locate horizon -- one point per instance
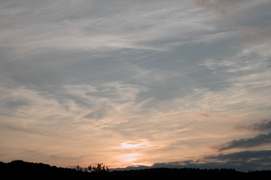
(136, 83)
(133, 167)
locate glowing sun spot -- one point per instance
(128, 157)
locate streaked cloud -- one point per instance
(142, 143)
(212, 7)
(134, 83)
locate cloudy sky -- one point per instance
(136, 83)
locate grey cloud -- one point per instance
(56, 68)
(95, 26)
(241, 156)
(259, 140)
(99, 114)
(28, 130)
(117, 90)
(78, 100)
(241, 161)
(224, 8)
(16, 103)
(265, 126)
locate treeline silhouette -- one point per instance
(19, 169)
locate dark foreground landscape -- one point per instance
(19, 169)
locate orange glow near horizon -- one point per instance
(128, 157)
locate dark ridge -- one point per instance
(19, 169)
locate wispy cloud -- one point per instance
(212, 7)
(141, 143)
(220, 7)
(235, 14)
(81, 27)
(166, 80)
(148, 76)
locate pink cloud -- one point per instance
(204, 115)
(255, 35)
(212, 7)
(220, 7)
(259, 36)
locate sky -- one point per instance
(136, 84)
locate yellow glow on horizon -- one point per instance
(128, 157)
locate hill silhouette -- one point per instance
(20, 169)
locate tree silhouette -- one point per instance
(99, 168)
(78, 168)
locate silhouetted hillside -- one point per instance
(20, 169)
